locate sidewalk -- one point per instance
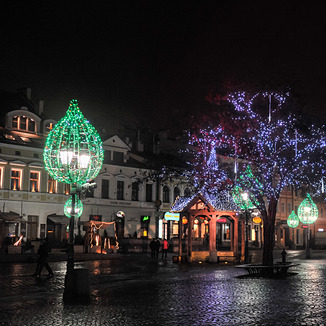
(55, 255)
(134, 289)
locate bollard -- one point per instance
(81, 282)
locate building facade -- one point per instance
(128, 192)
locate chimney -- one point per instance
(40, 107)
(28, 93)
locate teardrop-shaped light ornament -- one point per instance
(308, 211)
(73, 150)
(293, 220)
(79, 207)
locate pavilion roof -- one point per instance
(222, 202)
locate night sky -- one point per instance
(153, 62)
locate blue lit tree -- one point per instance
(257, 131)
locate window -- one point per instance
(35, 155)
(176, 193)
(134, 191)
(34, 181)
(166, 194)
(52, 185)
(14, 122)
(187, 192)
(105, 189)
(17, 153)
(149, 188)
(67, 189)
(118, 157)
(49, 126)
(282, 207)
(31, 125)
(23, 123)
(120, 189)
(16, 179)
(289, 208)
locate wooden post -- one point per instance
(189, 247)
(212, 234)
(231, 236)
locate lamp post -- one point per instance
(243, 200)
(73, 154)
(308, 214)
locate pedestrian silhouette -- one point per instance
(157, 247)
(152, 246)
(42, 260)
(283, 253)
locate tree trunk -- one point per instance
(269, 232)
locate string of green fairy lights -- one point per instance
(73, 150)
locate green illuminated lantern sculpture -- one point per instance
(78, 207)
(308, 211)
(73, 151)
(73, 154)
(293, 220)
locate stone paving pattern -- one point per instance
(135, 290)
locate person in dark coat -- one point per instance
(42, 260)
(152, 246)
(157, 247)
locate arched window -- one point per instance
(23, 123)
(49, 126)
(176, 193)
(187, 192)
(166, 194)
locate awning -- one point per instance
(10, 216)
(59, 219)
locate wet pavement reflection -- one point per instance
(136, 290)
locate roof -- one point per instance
(223, 202)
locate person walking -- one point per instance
(165, 247)
(157, 247)
(152, 246)
(42, 260)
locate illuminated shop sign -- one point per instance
(145, 219)
(221, 220)
(171, 216)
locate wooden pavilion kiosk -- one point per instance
(204, 212)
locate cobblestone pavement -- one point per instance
(134, 290)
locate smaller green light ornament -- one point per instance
(308, 211)
(78, 207)
(293, 220)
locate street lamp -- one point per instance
(73, 154)
(242, 199)
(245, 198)
(308, 214)
(293, 222)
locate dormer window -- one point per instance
(23, 123)
(49, 126)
